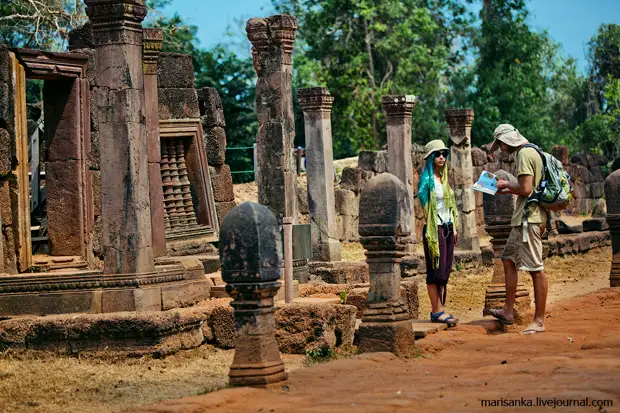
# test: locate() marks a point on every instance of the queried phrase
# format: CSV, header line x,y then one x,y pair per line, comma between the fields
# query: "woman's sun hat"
x,y
509,135
434,146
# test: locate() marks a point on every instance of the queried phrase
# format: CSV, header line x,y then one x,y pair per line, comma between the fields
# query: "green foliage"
x,y
604,57
343,296
320,354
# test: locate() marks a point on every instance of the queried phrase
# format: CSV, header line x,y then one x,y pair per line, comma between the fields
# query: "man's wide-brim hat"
x,y
434,146
509,135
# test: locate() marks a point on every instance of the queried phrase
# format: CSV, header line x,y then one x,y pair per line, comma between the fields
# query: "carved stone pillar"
x,y
152,41
498,211
385,225
317,104
251,257
398,111
612,189
460,121
272,40
125,204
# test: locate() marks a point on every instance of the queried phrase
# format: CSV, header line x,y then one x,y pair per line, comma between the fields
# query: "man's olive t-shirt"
x,y
529,162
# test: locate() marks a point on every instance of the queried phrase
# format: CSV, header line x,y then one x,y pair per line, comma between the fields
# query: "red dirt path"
x,y
578,357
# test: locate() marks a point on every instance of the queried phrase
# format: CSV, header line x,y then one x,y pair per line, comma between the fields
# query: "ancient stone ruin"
x,y
385,225
251,254
612,188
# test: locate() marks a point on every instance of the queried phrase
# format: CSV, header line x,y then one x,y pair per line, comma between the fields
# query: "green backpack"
x,y
555,190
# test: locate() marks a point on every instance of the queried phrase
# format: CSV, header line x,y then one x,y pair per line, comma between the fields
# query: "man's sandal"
x,y
500,316
451,321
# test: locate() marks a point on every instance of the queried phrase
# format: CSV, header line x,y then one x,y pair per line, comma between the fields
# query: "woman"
x,y
439,233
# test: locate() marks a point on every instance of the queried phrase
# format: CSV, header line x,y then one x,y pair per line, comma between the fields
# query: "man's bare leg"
x,y
541,287
511,278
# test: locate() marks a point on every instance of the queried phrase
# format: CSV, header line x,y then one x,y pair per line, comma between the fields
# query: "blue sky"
x,y
569,22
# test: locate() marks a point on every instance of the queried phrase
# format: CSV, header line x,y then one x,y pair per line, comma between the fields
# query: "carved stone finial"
x,y
459,121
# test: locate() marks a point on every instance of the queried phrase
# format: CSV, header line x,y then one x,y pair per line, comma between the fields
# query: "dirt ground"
x,y
60,384
577,358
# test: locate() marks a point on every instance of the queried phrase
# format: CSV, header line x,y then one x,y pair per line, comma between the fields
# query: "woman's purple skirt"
x,y
440,275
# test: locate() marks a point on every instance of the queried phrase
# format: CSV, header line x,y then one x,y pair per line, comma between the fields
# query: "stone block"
x,y
339,272
564,228
478,158
302,199
178,104
211,109
351,179
560,152
351,228
347,203
175,70
185,294
221,182
222,323
301,327
600,209
223,208
7,111
215,145
596,190
82,37
412,265
595,224
50,303
366,161
6,156
131,299
597,174
5,64
381,162
409,294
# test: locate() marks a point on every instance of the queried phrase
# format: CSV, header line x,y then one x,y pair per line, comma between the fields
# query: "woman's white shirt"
x,y
442,211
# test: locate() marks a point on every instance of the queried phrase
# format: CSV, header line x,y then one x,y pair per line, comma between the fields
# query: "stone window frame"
x,y
196,160
44,65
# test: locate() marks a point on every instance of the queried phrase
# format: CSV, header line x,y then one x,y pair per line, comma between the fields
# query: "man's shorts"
x,y
527,256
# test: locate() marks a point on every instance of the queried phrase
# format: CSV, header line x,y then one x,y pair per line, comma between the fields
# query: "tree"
x,y
364,49
604,59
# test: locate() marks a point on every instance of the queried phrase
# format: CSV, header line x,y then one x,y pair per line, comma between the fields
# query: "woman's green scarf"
x,y
428,199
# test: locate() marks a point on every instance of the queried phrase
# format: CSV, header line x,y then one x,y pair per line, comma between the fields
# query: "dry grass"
x,y
59,384
352,251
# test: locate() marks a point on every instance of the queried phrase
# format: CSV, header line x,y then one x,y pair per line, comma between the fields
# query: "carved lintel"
x,y
116,21
152,44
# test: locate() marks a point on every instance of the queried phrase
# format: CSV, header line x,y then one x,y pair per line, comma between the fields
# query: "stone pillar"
x,y
251,257
498,211
317,104
272,40
125,203
460,121
151,46
398,111
612,188
385,225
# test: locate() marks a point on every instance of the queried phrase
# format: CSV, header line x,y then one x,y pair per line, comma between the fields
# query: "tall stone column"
x,y
612,197
317,104
385,225
152,42
398,111
460,121
125,203
272,40
498,211
251,257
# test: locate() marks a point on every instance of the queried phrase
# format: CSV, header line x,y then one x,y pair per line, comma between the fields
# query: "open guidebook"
x,y
487,183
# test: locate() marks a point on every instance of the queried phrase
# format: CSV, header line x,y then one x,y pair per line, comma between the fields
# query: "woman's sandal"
x,y
451,321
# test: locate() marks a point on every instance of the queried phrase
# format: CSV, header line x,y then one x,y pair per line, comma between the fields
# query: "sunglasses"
x,y
443,154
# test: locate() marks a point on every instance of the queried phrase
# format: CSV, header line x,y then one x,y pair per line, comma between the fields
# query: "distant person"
x,y
439,234
523,250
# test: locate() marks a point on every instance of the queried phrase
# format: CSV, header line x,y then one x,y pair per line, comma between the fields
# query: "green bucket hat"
x,y
509,135
434,146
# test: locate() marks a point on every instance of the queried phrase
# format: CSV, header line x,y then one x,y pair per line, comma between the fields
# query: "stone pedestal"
x,y
272,40
152,41
460,121
498,211
125,205
251,257
316,104
385,224
398,111
612,197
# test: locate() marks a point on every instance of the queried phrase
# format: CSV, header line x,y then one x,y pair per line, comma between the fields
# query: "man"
x,y
523,251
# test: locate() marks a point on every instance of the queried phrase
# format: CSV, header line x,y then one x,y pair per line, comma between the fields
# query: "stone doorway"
x,y
66,139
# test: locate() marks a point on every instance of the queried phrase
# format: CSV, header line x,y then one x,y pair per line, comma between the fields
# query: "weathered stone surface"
x,y
478,157
221,181
222,324
215,144
351,179
82,37
301,327
367,161
600,209
346,202
564,228
342,272
385,208
251,258
595,224
302,199
6,157
561,153
178,103
223,208
175,70
5,64
211,109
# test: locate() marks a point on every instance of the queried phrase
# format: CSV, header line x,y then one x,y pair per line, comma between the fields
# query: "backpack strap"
x,y
535,197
